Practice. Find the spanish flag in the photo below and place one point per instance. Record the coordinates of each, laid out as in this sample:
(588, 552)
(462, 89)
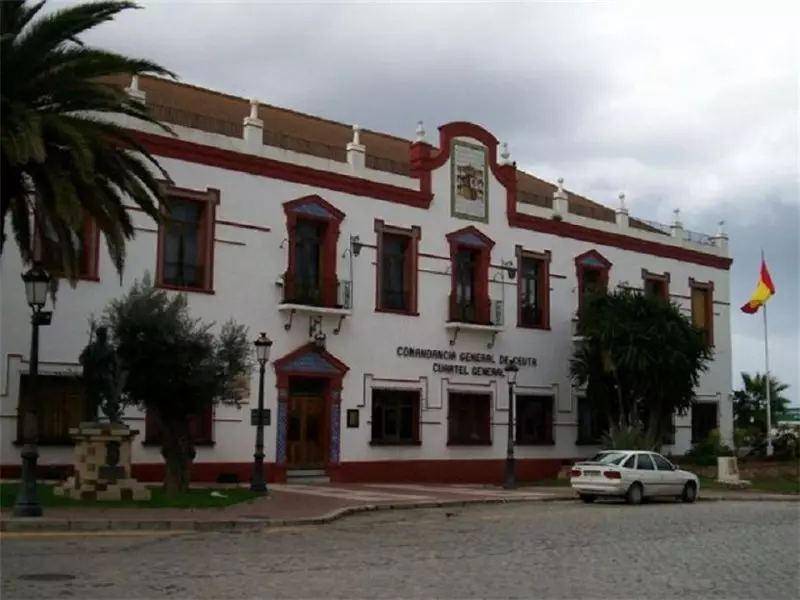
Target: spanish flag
(764, 291)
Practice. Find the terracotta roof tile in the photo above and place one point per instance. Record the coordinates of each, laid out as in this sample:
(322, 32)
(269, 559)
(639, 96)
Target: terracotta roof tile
(216, 112)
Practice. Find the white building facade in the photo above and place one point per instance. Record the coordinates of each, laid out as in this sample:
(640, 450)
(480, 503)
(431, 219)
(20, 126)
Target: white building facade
(394, 300)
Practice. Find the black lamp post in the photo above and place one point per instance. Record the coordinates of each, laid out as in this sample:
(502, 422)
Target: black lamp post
(511, 477)
(37, 287)
(263, 346)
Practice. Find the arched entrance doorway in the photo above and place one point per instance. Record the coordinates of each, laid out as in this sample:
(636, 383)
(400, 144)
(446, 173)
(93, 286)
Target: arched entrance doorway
(308, 427)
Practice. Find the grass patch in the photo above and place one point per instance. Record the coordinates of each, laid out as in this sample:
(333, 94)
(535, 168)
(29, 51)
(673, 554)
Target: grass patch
(194, 498)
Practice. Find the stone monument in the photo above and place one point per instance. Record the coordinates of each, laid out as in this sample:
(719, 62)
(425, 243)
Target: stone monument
(102, 447)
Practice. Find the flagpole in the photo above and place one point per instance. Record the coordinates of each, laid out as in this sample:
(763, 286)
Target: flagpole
(768, 380)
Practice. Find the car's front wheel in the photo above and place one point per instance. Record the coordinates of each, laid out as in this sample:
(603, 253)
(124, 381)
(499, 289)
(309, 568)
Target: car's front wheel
(587, 498)
(689, 494)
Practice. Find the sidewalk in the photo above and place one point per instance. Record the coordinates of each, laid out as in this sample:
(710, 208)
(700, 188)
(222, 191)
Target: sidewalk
(291, 505)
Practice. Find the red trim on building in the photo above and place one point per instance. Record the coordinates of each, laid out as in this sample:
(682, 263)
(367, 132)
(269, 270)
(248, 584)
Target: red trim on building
(169, 147)
(332, 217)
(89, 266)
(663, 278)
(485, 471)
(483, 245)
(708, 305)
(424, 160)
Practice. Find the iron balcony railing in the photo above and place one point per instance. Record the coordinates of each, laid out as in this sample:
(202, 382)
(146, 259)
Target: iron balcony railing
(324, 292)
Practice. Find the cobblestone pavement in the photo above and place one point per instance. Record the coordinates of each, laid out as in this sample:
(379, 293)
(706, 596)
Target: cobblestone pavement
(727, 550)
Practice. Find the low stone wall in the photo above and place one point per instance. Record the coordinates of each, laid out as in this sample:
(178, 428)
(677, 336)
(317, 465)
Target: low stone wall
(753, 470)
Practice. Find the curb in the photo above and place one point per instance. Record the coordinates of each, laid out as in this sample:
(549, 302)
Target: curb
(45, 525)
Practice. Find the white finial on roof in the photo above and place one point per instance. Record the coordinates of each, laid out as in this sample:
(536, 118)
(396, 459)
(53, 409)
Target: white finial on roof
(253, 108)
(133, 90)
(623, 208)
(560, 193)
(356, 135)
(676, 221)
(505, 155)
(721, 233)
(420, 132)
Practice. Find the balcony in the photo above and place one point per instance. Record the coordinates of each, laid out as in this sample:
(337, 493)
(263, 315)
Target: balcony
(327, 296)
(487, 316)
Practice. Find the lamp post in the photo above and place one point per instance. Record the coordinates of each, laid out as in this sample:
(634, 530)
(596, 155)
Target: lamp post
(37, 287)
(511, 478)
(263, 346)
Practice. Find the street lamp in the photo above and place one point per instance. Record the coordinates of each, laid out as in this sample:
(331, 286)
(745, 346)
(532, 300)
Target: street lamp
(37, 287)
(511, 478)
(263, 346)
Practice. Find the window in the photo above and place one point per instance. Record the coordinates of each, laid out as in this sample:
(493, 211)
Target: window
(644, 462)
(591, 422)
(703, 309)
(608, 457)
(86, 243)
(470, 252)
(656, 285)
(200, 428)
(306, 284)
(704, 420)
(313, 227)
(186, 241)
(534, 420)
(592, 271)
(395, 417)
(397, 268)
(60, 407)
(662, 464)
(533, 288)
(466, 267)
(631, 462)
(468, 419)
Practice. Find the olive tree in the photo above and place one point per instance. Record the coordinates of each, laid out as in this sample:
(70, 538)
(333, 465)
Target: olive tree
(176, 366)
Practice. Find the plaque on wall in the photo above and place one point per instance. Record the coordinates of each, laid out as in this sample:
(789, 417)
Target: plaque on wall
(469, 181)
(352, 418)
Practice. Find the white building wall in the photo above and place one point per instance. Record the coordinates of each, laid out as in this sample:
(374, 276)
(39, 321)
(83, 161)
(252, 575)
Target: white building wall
(248, 263)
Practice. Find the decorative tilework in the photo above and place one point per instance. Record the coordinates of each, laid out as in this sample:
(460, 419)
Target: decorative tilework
(313, 209)
(282, 424)
(336, 410)
(592, 261)
(311, 362)
(470, 239)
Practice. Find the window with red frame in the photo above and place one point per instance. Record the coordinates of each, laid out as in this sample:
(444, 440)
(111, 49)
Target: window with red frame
(186, 248)
(534, 419)
(469, 419)
(396, 275)
(201, 428)
(306, 284)
(534, 291)
(656, 285)
(702, 303)
(86, 243)
(466, 304)
(395, 417)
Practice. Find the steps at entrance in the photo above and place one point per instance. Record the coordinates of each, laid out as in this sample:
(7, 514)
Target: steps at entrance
(307, 476)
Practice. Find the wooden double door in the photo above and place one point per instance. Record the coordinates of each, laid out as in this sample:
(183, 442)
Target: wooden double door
(307, 432)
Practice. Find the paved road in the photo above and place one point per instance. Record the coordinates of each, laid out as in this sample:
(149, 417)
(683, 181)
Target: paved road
(546, 551)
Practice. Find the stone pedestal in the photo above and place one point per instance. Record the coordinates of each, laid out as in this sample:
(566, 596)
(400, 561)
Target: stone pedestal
(103, 464)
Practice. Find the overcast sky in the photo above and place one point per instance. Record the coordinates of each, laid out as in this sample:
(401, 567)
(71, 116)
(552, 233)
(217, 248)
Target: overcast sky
(680, 105)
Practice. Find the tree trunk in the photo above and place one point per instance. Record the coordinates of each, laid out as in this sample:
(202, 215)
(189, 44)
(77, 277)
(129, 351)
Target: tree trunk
(178, 453)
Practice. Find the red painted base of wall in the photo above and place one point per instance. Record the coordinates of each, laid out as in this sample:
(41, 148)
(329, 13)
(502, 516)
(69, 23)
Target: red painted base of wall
(407, 471)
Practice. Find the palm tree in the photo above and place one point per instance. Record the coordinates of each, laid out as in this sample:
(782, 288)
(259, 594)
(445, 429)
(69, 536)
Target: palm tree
(61, 159)
(750, 402)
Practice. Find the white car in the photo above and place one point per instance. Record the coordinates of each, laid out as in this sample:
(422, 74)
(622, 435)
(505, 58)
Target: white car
(633, 475)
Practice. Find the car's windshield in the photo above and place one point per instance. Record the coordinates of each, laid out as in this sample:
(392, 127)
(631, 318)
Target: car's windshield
(609, 458)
